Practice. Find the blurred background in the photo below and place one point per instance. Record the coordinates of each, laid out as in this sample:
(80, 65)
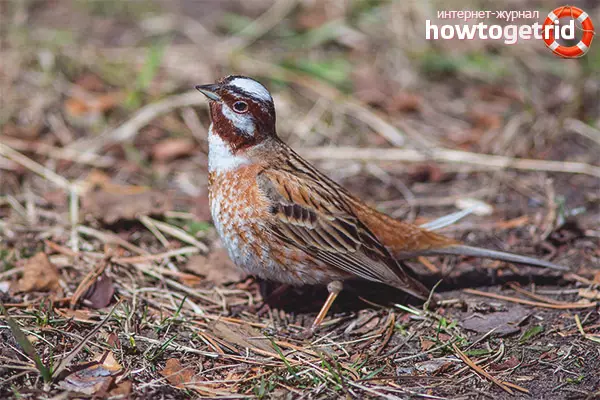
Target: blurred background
(103, 145)
(343, 73)
(99, 91)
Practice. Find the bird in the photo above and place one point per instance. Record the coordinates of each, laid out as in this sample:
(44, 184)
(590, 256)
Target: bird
(283, 220)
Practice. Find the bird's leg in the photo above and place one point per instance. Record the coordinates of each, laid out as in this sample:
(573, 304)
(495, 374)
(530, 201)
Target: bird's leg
(334, 288)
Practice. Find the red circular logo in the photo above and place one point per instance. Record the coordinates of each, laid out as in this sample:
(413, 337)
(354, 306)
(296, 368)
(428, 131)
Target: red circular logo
(549, 34)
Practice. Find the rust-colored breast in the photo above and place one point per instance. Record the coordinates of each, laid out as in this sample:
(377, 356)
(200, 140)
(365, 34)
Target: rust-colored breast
(241, 216)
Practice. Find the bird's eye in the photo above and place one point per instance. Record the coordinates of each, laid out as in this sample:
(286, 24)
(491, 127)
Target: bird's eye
(240, 106)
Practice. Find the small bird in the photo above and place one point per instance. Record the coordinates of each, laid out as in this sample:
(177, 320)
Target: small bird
(283, 220)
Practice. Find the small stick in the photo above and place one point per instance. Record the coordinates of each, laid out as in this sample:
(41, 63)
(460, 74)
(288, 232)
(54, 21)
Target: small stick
(565, 306)
(481, 371)
(439, 154)
(534, 296)
(31, 165)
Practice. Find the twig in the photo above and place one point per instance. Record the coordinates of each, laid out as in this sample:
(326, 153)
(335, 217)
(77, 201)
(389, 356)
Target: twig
(95, 160)
(593, 338)
(534, 296)
(492, 162)
(129, 129)
(87, 282)
(580, 127)
(260, 26)
(67, 360)
(110, 238)
(565, 306)
(177, 233)
(157, 257)
(481, 371)
(33, 166)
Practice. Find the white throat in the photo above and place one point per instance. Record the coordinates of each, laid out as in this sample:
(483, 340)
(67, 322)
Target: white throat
(220, 157)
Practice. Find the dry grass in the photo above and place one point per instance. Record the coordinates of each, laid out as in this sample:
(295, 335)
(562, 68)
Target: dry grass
(103, 169)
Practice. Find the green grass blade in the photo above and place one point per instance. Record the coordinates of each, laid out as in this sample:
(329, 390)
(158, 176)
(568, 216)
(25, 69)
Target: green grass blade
(26, 345)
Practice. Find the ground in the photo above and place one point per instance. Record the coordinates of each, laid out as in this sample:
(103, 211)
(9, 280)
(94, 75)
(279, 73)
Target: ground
(114, 283)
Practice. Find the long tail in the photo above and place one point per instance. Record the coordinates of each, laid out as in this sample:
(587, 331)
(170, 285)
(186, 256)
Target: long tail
(406, 240)
(464, 250)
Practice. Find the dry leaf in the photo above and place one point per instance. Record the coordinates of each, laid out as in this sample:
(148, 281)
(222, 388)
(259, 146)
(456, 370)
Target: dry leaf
(176, 374)
(312, 15)
(94, 375)
(403, 102)
(100, 294)
(77, 106)
(426, 344)
(503, 322)
(39, 274)
(90, 82)
(201, 208)
(112, 207)
(170, 149)
(217, 267)
(123, 389)
(432, 367)
(77, 315)
(596, 279)
(509, 363)
(244, 336)
(369, 85)
(31, 131)
(589, 294)
(429, 172)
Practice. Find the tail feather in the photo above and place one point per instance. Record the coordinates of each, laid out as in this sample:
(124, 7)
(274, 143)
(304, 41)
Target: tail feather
(463, 250)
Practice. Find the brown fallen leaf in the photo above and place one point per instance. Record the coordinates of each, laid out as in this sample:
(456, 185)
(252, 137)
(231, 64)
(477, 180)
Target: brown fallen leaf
(93, 103)
(111, 207)
(596, 278)
(369, 85)
(217, 267)
(243, 335)
(432, 367)
(90, 82)
(312, 15)
(100, 294)
(122, 390)
(509, 363)
(429, 172)
(503, 322)
(77, 315)
(426, 344)
(176, 374)
(91, 377)
(403, 102)
(26, 132)
(39, 274)
(589, 294)
(201, 208)
(172, 148)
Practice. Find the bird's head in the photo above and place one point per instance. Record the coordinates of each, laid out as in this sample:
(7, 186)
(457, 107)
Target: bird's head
(241, 110)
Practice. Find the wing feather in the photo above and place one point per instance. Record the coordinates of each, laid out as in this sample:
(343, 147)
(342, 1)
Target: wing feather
(314, 216)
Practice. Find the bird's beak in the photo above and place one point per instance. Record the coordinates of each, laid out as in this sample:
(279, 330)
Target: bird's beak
(209, 91)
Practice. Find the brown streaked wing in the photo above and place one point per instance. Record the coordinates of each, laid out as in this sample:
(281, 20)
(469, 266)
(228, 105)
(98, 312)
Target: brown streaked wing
(312, 215)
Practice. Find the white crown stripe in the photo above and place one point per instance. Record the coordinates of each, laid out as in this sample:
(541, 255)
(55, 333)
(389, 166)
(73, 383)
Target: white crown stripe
(252, 87)
(554, 45)
(582, 46)
(582, 17)
(552, 16)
